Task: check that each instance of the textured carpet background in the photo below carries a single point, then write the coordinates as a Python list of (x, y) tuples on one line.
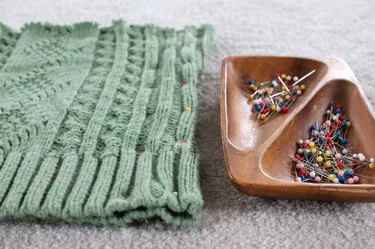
[(230, 220)]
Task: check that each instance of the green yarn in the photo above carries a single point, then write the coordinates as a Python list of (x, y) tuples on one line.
[(97, 124)]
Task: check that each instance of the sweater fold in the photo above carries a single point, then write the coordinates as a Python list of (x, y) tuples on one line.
[(97, 124)]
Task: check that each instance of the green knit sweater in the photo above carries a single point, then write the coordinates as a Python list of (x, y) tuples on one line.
[(97, 124)]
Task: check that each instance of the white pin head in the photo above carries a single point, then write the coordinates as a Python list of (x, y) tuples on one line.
[(257, 101), (312, 174), (361, 157)]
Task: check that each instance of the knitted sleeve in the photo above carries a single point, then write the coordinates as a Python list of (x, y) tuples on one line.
[(97, 124)]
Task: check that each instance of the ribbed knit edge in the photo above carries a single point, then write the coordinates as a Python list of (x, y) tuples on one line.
[(181, 202), (183, 206)]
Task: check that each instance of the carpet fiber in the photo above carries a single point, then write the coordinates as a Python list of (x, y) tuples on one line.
[(321, 28)]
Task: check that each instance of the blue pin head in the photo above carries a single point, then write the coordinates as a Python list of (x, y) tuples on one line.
[(348, 172), (341, 179), (336, 111), (257, 107)]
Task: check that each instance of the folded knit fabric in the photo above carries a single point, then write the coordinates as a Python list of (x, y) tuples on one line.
[(97, 124)]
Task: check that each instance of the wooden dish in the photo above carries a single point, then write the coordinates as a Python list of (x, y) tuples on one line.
[(256, 156)]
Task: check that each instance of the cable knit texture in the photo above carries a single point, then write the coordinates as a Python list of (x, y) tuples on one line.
[(97, 124)]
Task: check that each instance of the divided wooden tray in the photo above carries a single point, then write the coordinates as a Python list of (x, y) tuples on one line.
[(256, 156)]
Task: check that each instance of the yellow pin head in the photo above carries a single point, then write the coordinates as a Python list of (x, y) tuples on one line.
[(188, 109)]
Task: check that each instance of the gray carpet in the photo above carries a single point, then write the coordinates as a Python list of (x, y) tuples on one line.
[(230, 220)]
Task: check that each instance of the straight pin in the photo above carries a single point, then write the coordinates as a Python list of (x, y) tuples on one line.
[(282, 82), (304, 77)]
